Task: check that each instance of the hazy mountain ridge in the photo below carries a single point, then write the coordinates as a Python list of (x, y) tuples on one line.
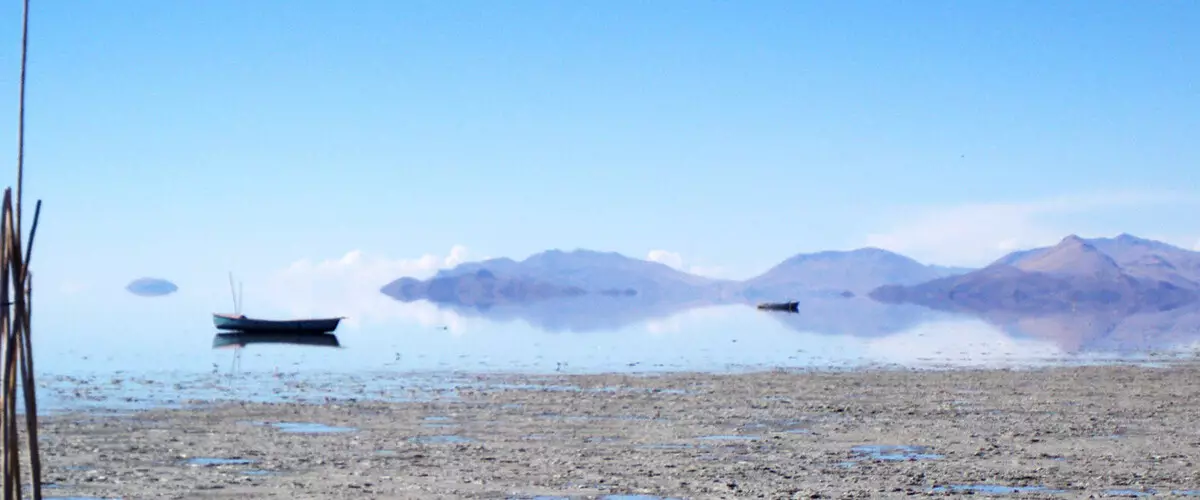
[(1121, 274), (836, 272), (558, 274), (1124, 272)]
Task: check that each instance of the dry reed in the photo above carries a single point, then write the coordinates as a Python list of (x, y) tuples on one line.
[(16, 344)]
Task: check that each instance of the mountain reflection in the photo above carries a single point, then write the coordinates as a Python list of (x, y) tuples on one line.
[(862, 317), (1113, 332), (856, 316), (589, 313)]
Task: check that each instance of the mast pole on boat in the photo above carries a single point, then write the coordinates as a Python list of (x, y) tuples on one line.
[(233, 292)]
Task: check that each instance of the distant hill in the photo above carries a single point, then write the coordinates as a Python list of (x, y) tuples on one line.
[(558, 274), (151, 287), (1106, 274), (836, 272)]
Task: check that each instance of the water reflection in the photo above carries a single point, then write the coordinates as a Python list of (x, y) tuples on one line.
[(243, 339), (1112, 332), (589, 313), (857, 316), (613, 334), (169, 357)]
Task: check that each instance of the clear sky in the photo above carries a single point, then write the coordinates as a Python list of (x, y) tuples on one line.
[(188, 139)]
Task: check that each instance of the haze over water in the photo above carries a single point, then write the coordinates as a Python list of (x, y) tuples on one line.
[(715, 338)]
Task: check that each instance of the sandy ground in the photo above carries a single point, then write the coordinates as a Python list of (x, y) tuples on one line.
[(1084, 431)]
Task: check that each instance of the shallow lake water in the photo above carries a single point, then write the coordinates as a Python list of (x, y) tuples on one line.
[(167, 357)]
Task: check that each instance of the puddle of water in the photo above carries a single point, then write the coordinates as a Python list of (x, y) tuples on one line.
[(1131, 493), (585, 418), (636, 497), (80, 498), (994, 489), (729, 437), (386, 453), (666, 446), (784, 426), (310, 428), (533, 386), (895, 452), (258, 472), (435, 418), (444, 439), (1186, 493), (208, 462)]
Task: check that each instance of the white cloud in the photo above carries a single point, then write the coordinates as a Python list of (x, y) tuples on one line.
[(675, 260), (672, 259), (978, 233), (1196, 247), (349, 286)]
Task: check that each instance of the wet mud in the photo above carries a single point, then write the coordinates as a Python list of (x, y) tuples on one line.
[(1073, 432)]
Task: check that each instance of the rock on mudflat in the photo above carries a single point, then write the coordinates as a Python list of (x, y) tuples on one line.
[(151, 287)]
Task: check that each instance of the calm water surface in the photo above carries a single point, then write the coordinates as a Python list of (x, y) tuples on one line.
[(167, 355)]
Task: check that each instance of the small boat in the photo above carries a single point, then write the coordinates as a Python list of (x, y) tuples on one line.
[(780, 306), (241, 323), (242, 339)]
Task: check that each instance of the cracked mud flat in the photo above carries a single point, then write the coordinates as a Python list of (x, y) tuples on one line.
[(1063, 432)]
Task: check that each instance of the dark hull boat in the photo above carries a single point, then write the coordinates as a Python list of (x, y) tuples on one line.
[(780, 306), (242, 339), (241, 323)]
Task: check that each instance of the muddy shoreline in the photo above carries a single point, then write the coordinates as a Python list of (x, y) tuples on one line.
[(1077, 432)]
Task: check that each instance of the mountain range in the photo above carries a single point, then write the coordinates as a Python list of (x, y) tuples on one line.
[(1125, 273), (1121, 274)]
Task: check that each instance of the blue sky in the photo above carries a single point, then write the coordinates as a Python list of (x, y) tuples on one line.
[(188, 139)]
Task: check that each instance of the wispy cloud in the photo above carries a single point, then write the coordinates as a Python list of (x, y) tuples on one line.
[(349, 286), (669, 258), (676, 260), (978, 233)]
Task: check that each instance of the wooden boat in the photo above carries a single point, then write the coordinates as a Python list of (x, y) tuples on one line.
[(242, 323), (239, 322), (242, 339), (780, 306)]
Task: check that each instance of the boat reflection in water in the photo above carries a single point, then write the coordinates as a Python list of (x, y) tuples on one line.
[(243, 339), (239, 340)]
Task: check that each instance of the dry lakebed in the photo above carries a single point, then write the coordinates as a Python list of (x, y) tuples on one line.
[(1064, 432)]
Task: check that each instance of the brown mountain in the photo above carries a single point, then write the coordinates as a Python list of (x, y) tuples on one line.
[(1124, 274)]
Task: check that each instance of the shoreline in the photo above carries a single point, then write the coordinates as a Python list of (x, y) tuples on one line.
[(122, 391), (1085, 431)]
